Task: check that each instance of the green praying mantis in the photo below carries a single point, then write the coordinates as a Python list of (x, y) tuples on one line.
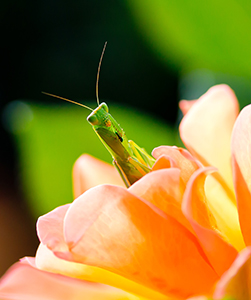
[(131, 161)]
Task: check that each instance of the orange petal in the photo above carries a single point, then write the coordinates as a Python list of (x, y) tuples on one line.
[(195, 208), (235, 283), (111, 228), (164, 189), (200, 298), (206, 129), (179, 158), (89, 172), (24, 282), (164, 162), (241, 153)]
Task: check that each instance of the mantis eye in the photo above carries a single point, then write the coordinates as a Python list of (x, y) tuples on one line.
[(93, 119), (104, 106)]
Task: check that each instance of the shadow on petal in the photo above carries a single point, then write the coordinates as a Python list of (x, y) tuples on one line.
[(220, 253)]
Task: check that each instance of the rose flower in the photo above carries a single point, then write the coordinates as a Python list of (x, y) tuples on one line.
[(180, 232)]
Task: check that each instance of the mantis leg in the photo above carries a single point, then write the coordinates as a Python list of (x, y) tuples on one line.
[(121, 173), (130, 170), (141, 154)]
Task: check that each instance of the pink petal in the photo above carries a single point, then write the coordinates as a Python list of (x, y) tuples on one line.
[(89, 172), (241, 154), (206, 130), (186, 105), (236, 282), (220, 253), (178, 158), (50, 228), (111, 228), (23, 282)]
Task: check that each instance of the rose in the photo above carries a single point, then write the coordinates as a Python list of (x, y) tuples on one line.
[(173, 234)]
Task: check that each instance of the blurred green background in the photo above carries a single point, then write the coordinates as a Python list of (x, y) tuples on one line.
[(158, 52), (50, 138), (209, 42)]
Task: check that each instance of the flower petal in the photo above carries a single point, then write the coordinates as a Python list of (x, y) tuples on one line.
[(195, 208), (111, 228), (186, 105), (224, 211), (206, 129), (241, 153), (50, 228), (89, 172), (235, 283), (179, 158), (200, 298), (23, 282), (164, 162), (47, 261), (164, 189)]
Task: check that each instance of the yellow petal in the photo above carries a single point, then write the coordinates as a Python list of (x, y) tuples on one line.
[(241, 160), (225, 212), (24, 282), (195, 207), (47, 261)]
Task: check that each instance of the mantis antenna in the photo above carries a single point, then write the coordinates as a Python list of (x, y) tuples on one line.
[(55, 96), (99, 65)]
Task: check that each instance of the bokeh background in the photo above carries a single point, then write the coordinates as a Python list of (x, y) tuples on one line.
[(158, 53)]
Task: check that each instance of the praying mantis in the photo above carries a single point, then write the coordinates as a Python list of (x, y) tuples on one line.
[(131, 161)]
